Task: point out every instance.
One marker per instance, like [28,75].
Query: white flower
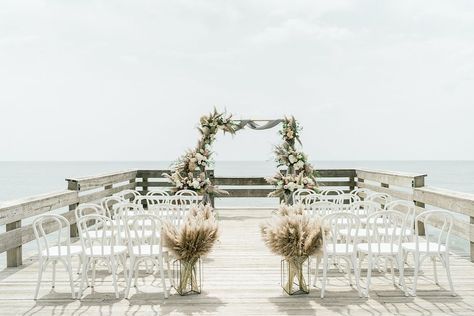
[292,186]
[178,184]
[200,158]
[292,159]
[299,165]
[195,184]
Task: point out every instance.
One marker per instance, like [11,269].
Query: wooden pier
[240,276]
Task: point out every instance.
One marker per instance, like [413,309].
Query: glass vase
[187,276]
[295,275]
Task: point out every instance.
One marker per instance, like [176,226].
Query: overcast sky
[128,80]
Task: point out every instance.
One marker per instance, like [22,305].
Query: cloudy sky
[128,80]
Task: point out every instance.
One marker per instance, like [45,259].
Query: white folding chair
[382,242]
[300,194]
[108,202]
[158,193]
[55,247]
[128,194]
[361,192]
[435,246]
[345,200]
[381,198]
[95,249]
[320,208]
[144,243]
[336,248]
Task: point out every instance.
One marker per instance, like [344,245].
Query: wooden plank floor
[240,277]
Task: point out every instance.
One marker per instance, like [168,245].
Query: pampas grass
[192,240]
[295,237]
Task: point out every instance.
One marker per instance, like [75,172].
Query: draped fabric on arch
[256,126]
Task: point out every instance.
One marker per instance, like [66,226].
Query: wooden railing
[404,186]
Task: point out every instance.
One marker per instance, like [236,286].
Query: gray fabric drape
[255,126]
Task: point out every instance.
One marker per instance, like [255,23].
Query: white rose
[292,159]
[195,184]
[178,184]
[292,186]
[200,158]
[299,165]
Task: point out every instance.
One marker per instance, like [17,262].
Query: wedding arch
[189,170]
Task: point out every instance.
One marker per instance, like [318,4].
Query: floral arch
[189,171]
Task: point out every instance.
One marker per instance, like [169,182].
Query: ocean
[22,179]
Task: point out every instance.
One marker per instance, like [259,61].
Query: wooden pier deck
[241,277]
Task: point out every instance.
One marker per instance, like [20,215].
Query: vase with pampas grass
[188,243]
[294,236]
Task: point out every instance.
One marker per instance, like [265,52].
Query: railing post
[73,231]
[14,255]
[210,175]
[144,185]
[419,182]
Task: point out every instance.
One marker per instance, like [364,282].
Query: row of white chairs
[382,241]
[376,228]
[111,232]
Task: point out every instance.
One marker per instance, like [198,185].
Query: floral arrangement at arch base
[299,173]
[189,171]
[296,237]
[189,242]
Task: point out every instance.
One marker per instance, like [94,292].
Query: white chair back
[331,195]
[364,208]
[95,232]
[320,208]
[158,193]
[300,194]
[361,192]
[60,237]
[89,209]
[381,198]
[385,228]
[435,239]
[127,209]
[144,234]
[128,194]
[336,222]
[108,202]
[186,193]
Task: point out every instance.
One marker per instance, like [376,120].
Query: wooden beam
[12,211]
[92,182]
[402,179]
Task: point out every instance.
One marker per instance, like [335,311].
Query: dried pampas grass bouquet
[190,241]
[294,236]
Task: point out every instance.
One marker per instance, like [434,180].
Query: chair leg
[113,263]
[67,263]
[54,274]
[401,270]
[162,275]
[433,259]
[170,277]
[85,264]
[323,281]
[80,265]
[130,275]
[369,274]
[137,266]
[41,266]
[445,262]
[392,270]
[356,273]
[416,257]
[316,271]
[93,275]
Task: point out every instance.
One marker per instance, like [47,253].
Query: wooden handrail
[401,185]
